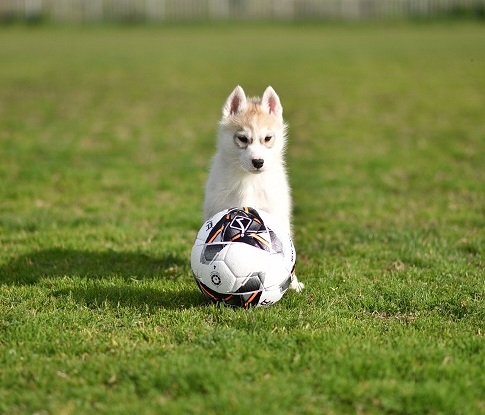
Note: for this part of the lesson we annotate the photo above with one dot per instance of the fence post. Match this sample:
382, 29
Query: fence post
155, 10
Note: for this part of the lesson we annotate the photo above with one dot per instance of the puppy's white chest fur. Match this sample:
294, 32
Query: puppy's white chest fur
267, 190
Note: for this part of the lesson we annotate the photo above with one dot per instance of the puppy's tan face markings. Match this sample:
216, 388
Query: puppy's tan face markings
247, 126
243, 139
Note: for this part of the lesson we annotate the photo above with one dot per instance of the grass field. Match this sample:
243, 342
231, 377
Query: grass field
105, 139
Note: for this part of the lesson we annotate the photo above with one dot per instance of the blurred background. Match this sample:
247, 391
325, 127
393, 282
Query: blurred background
122, 98
168, 10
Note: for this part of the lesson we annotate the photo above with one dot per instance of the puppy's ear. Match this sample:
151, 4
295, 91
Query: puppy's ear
271, 103
235, 103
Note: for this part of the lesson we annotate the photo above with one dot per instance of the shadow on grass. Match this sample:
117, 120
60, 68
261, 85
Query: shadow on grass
97, 270
143, 298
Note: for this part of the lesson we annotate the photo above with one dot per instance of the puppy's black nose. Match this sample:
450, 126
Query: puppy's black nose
258, 163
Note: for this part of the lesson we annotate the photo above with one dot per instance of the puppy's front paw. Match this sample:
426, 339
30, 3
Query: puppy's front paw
296, 285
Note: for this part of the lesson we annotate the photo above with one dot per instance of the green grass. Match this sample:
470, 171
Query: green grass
105, 139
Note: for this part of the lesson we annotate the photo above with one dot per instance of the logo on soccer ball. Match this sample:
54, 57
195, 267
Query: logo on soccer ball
216, 280
208, 225
266, 302
241, 224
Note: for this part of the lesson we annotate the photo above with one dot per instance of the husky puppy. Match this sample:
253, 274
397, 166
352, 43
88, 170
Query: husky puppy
248, 168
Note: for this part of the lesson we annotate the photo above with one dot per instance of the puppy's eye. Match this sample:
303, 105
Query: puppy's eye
268, 138
243, 139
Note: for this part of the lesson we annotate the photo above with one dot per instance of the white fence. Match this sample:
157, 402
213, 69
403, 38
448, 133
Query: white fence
170, 10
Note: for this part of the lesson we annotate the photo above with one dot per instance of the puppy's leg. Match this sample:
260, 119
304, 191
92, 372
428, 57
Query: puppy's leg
296, 285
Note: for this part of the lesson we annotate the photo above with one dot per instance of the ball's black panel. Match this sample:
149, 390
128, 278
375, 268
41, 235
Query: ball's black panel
246, 301
235, 301
276, 244
251, 285
210, 251
209, 293
232, 300
253, 300
285, 284
243, 225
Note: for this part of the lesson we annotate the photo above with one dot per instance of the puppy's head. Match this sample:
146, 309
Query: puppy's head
252, 130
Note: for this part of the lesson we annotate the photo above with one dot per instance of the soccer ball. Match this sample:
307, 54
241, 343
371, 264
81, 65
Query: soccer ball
243, 258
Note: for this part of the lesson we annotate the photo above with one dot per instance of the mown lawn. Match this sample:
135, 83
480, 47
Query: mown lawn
106, 134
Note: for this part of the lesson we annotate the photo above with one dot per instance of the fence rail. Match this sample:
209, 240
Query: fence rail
170, 10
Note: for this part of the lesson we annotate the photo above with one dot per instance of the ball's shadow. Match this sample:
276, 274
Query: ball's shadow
97, 270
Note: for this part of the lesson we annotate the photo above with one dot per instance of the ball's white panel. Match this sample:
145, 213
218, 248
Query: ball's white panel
276, 271
288, 248
243, 259
269, 297
195, 259
218, 277
208, 226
